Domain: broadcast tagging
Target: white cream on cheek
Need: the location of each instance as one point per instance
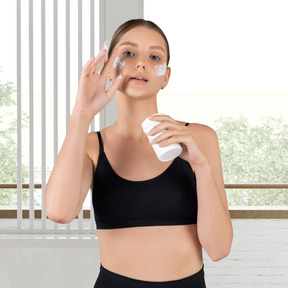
(161, 69)
(118, 65)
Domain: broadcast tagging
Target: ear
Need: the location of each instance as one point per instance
(104, 63)
(167, 77)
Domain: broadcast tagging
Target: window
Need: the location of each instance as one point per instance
(229, 71)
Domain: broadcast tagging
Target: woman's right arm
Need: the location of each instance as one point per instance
(72, 173)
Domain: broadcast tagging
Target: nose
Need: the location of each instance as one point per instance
(140, 65)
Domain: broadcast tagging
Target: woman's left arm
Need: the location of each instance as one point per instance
(214, 225)
(201, 150)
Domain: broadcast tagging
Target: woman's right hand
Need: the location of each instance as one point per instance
(92, 96)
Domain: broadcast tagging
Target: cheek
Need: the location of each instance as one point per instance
(118, 64)
(161, 69)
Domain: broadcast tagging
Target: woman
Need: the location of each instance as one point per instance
(152, 218)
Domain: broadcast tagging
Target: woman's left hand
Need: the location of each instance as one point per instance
(177, 133)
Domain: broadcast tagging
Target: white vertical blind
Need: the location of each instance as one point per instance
(48, 82)
(43, 106)
(80, 216)
(55, 73)
(92, 51)
(68, 67)
(19, 119)
(31, 118)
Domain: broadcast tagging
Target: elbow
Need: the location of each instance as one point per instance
(57, 215)
(219, 255)
(56, 212)
(58, 218)
(219, 252)
(219, 248)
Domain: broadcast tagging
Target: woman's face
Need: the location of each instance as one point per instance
(142, 58)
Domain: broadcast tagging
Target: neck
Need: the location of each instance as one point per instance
(131, 114)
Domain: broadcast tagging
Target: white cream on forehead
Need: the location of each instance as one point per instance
(118, 65)
(162, 69)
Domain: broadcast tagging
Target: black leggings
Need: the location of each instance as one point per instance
(108, 279)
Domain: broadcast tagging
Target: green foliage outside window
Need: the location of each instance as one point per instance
(8, 146)
(254, 154)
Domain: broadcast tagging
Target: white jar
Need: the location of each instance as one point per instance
(166, 153)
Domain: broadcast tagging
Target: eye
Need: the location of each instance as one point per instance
(154, 57)
(128, 53)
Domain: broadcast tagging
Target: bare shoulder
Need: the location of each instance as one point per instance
(207, 140)
(203, 134)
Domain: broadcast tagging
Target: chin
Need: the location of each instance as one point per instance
(137, 93)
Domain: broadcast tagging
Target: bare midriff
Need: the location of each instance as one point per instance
(155, 253)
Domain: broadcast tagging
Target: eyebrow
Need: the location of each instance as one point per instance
(135, 45)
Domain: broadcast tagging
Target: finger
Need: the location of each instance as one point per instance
(89, 68)
(108, 66)
(86, 68)
(177, 138)
(114, 87)
(174, 139)
(161, 118)
(88, 64)
(166, 125)
(96, 64)
(165, 136)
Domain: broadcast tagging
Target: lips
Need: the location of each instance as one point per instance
(139, 77)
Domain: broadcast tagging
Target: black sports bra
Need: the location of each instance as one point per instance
(167, 199)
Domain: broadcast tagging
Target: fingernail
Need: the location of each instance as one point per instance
(119, 76)
(106, 45)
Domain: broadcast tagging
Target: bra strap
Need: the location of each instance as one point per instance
(100, 141)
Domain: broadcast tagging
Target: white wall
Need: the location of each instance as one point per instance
(53, 263)
(258, 259)
(259, 256)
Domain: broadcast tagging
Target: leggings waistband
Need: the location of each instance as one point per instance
(116, 280)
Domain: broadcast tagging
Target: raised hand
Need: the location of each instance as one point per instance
(92, 96)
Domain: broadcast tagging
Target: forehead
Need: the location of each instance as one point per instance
(143, 36)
